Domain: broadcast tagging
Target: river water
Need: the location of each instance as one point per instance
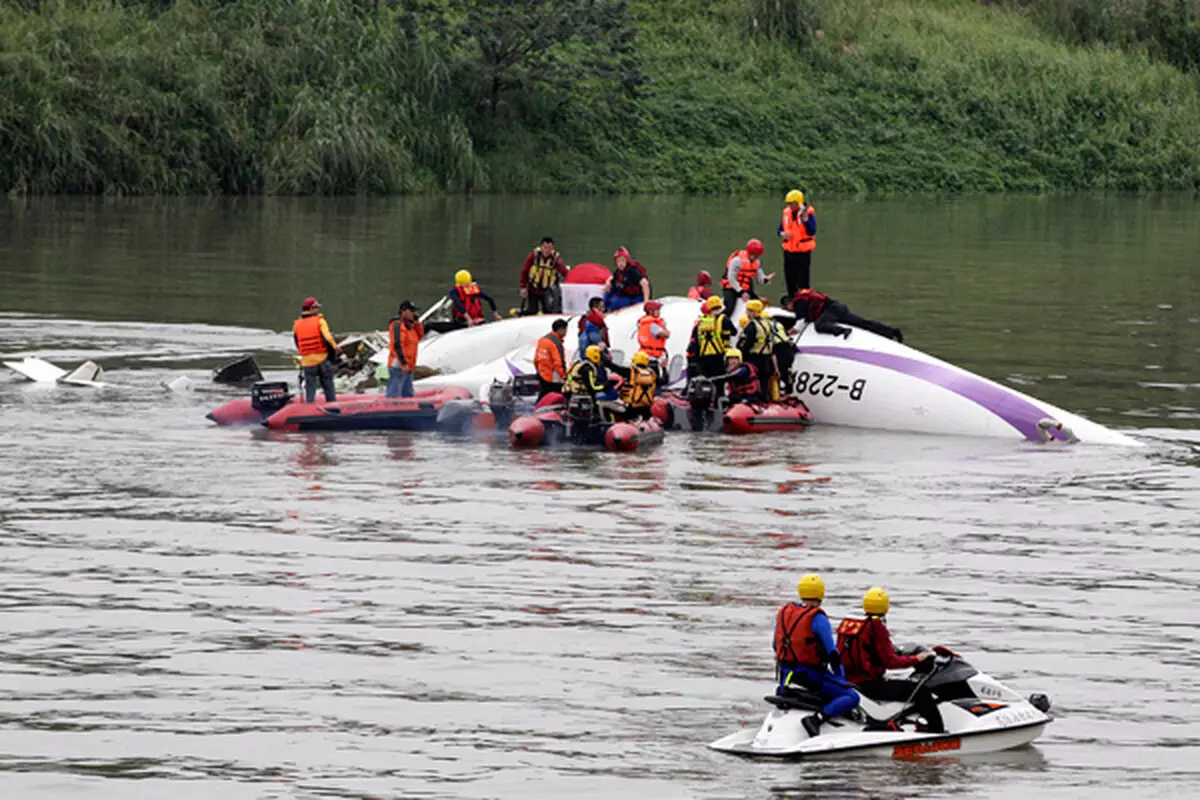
(196, 611)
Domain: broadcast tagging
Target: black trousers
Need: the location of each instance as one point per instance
(765, 368)
(546, 302)
(796, 269)
(710, 366)
(898, 691)
(545, 387)
(733, 295)
(785, 356)
(836, 312)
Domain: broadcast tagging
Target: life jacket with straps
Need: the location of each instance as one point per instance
(542, 272)
(468, 295)
(746, 385)
(581, 378)
(701, 293)
(795, 642)
(779, 334)
(858, 653)
(813, 303)
(596, 318)
(638, 391)
(801, 241)
(653, 345)
(710, 335)
(628, 281)
(307, 330)
(746, 271)
(764, 338)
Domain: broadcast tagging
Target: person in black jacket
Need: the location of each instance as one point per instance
(827, 313)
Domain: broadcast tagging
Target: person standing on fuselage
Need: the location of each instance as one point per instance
(541, 273)
(806, 656)
(742, 269)
(467, 299)
(798, 230)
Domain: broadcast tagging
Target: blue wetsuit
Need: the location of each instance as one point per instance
(831, 685)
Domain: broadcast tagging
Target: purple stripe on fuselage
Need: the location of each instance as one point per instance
(513, 368)
(1014, 410)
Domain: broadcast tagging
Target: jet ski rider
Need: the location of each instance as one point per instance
(806, 656)
(868, 652)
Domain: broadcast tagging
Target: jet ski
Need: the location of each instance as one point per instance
(980, 715)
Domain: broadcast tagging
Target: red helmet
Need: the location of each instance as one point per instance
(621, 251)
(754, 247)
(651, 305)
(704, 279)
(309, 304)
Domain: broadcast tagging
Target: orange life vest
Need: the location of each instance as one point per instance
(802, 241)
(815, 302)
(468, 295)
(795, 642)
(746, 272)
(307, 331)
(403, 341)
(654, 346)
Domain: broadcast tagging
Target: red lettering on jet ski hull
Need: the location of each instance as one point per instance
(918, 749)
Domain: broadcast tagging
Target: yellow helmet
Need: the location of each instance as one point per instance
(733, 352)
(754, 306)
(592, 354)
(640, 358)
(713, 302)
(811, 587)
(743, 321)
(794, 196)
(876, 602)
(462, 278)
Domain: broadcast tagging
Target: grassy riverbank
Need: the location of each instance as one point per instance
(337, 96)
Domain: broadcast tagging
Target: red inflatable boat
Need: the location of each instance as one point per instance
(787, 415)
(375, 413)
(552, 424)
(263, 403)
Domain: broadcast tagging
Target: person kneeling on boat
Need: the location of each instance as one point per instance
(637, 392)
(868, 652)
(710, 339)
(757, 343)
(826, 312)
(315, 343)
(466, 297)
(740, 379)
(806, 656)
(588, 377)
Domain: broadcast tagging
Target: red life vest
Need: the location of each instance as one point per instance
(813, 302)
(700, 293)
(859, 658)
(628, 282)
(795, 642)
(468, 295)
(654, 346)
(747, 385)
(309, 340)
(746, 271)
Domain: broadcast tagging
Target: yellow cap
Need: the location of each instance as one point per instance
(462, 278)
(794, 196)
(811, 587)
(876, 602)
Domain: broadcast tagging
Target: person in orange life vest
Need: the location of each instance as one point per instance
(702, 290)
(868, 652)
(404, 332)
(466, 297)
(742, 269)
(550, 359)
(592, 327)
(627, 285)
(541, 273)
(798, 230)
(826, 313)
(741, 380)
(652, 336)
(806, 657)
(314, 342)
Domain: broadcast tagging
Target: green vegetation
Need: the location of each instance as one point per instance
(354, 96)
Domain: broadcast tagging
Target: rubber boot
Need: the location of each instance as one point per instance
(812, 725)
(773, 389)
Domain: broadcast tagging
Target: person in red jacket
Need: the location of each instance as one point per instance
(867, 653)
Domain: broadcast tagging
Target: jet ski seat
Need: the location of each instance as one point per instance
(796, 699)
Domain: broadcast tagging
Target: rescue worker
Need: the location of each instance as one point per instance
(592, 327)
(627, 285)
(550, 359)
(466, 297)
(741, 380)
(784, 350)
(404, 332)
(798, 230)
(806, 656)
(757, 343)
(703, 288)
(827, 313)
(588, 376)
(315, 343)
(710, 339)
(637, 392)
(652, 336)
(742, 269)
(868, 652)
(541, 273)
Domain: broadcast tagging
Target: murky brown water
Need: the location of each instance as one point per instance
(195, 611)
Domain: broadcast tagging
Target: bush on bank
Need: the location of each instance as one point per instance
(358, 96)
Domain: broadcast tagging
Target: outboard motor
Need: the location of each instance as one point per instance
(501, 400)
(456, 416)
(267, 397)
(581, 415)
(701, 392)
